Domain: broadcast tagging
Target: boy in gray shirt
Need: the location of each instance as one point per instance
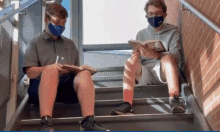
(48, 81)
(148, 67)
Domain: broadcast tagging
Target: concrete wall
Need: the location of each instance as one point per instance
(202, 52)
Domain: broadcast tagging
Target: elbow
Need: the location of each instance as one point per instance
(29, 73)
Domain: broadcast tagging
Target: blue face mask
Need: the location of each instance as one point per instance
(56, 30)
(155, 21)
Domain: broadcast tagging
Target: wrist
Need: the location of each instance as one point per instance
(159, 56)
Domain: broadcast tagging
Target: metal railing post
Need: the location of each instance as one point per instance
(12, 103)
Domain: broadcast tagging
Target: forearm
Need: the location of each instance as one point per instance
(176, 55)
(159, 56)
(34, 72)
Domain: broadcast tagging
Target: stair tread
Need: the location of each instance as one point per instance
(162, 100)
(103, 107)
(110, 118)
(108, 89)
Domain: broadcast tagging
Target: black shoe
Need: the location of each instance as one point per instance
(177, 105)
(46, 124)
(89, 124)
(123, 109)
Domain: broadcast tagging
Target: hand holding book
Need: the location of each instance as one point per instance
(153, 44)
(149, 53)
(76, 69)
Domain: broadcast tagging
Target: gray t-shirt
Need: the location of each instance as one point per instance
(43, 51)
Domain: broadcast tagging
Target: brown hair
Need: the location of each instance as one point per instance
(57, 10)
(157, 3)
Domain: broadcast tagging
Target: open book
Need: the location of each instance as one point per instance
(153, 44)
(76, 69)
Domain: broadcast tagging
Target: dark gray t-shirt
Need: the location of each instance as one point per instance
(43, 51)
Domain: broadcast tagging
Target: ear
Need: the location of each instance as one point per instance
(165, 15)
(46, 20)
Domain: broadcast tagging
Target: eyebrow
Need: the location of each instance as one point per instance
(57, 19)
(156, 12)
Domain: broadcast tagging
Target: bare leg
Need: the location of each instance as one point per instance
(170, 70)
(48, 90)
(84, 87)
(132, 71)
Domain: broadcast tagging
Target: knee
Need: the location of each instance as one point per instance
(84, 73)
(82, 79)
(130, 62)
(51, 71)
(168, 59)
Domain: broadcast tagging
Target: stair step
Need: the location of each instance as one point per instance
(107, 78)
(107, 69)
(103, 107)
(151, 91)
(136, 122)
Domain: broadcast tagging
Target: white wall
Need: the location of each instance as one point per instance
(112, 21)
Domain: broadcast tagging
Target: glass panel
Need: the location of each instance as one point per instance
(66, 4)
(112, 21)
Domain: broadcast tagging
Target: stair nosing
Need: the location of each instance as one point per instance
(111, 118)
(163, 100)
(135, 101)
(116, 89)
(107, 76)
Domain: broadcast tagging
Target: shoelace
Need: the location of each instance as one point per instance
(45, 122)
(178, 98)
(94, 122)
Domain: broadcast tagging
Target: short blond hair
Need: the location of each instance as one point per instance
(57, 10)
(157, 3)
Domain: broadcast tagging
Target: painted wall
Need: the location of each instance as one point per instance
(201, 47)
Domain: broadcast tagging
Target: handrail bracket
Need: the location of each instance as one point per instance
(183, 8)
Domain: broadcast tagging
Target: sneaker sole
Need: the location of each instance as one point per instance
(178, 109)
(121, 113)
(82, 129)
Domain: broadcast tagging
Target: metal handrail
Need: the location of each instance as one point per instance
(7, 10)
(11, 126)
(201, 16)
(102, 47)
(12, 13)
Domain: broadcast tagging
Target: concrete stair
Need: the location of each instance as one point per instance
(137, 122)
(151, 111)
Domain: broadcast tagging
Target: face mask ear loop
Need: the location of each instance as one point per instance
(151, 37)
(158, 36)
(150, 31)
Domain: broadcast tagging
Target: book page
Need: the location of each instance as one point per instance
(156, 45)
(153, 44)
(76, 69)
(89, 68)
(135, 44)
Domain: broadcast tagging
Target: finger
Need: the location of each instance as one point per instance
(64, 71)
(142, 50)
(136, 55)
(59, 68)
(60, 65)
(81, 68)
(145, 50)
